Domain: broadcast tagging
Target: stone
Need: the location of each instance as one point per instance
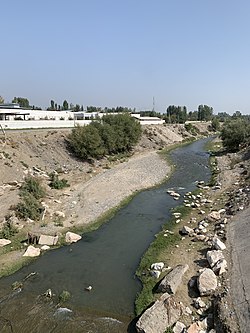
(158, 266)
(172, 280)
(48, 240)
(164, 313)
(155, 274)
(71, 237)
(220, 267)
(4, 242)
(186, 230)
(179, 327)
(32, 252)
(213, 257)
(218, 244)
(198, 303)
(59, 214)
(207, 282)
(214, 215)
(45, 248)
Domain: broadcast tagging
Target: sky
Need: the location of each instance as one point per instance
(127, 52)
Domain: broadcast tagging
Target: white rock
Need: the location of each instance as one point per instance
(218, 244)
(213, 257)
(186, 230)
(158, 266)
(198, 303)
(179, 327)
(32, 252)
(4, 242)
(71, 237)
(207, 282)
(45, 247)
(48, 240)
(214, 215)
(220, 267)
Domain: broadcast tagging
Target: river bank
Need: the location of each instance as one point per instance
(94, 189)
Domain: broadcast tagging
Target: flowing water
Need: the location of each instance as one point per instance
(106, 259)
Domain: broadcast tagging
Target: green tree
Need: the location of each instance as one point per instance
(52, 105)
(1, 100)
(215, 124)
(65, 105)
(86, 142)
(23, 102)
(235, 133)
(205, 112)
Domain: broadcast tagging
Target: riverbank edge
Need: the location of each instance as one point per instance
(146, 296)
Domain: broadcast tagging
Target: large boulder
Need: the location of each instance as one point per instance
(4, 242)
(214, 216)
(218, 244)
(213, 257)
(172, 280)
(71, 237)
(48, 240)
(32, 252)
(158, 266)
(207, 282)
(164, 313)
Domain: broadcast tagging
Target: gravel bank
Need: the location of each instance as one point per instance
(86, 202)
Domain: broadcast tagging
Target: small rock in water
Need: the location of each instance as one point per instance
(89, 288)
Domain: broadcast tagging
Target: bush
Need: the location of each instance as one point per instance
(8, 230)
(111, 135)
(235, 133)
(29, 207)
(215, 124)
(32, 186)
(64, 296)
(57, 183)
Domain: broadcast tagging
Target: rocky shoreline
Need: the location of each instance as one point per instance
(196, 295)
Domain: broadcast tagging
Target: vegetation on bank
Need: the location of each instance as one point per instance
(107, 136)
(235, 133)
(31, 193)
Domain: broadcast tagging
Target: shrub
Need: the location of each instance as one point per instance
(57, 183)
(111, 135)
(29, 207)
(32, 186)
(64, 296)
(8, 230)
(235, 133)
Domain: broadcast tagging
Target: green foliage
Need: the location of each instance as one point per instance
(1, 100)
(112, 134)
(8, 230)
(57, 183)
(215, 124)
(29, 207)
(32, 186)
(191, 129)
(31, 192)
(176, 114)
(23, 102)
(235, 133)
(64, 296)
(205, 112)
(86, 142)
(65, 105)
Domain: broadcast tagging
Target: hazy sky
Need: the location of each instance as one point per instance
(124, 52)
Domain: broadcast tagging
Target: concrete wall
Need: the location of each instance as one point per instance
(24, 124)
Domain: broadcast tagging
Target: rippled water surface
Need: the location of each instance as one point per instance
(105, 259)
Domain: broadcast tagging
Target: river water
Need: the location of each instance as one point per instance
(106, 259)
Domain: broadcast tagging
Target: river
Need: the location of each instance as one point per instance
(106, 259)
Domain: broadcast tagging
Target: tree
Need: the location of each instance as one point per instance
(235, 133)
(215, 124)
(1, 100)
(86, 142)
(65, 105)
(52, 105)
(205, 112)
(176, 114)
(23, 102)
